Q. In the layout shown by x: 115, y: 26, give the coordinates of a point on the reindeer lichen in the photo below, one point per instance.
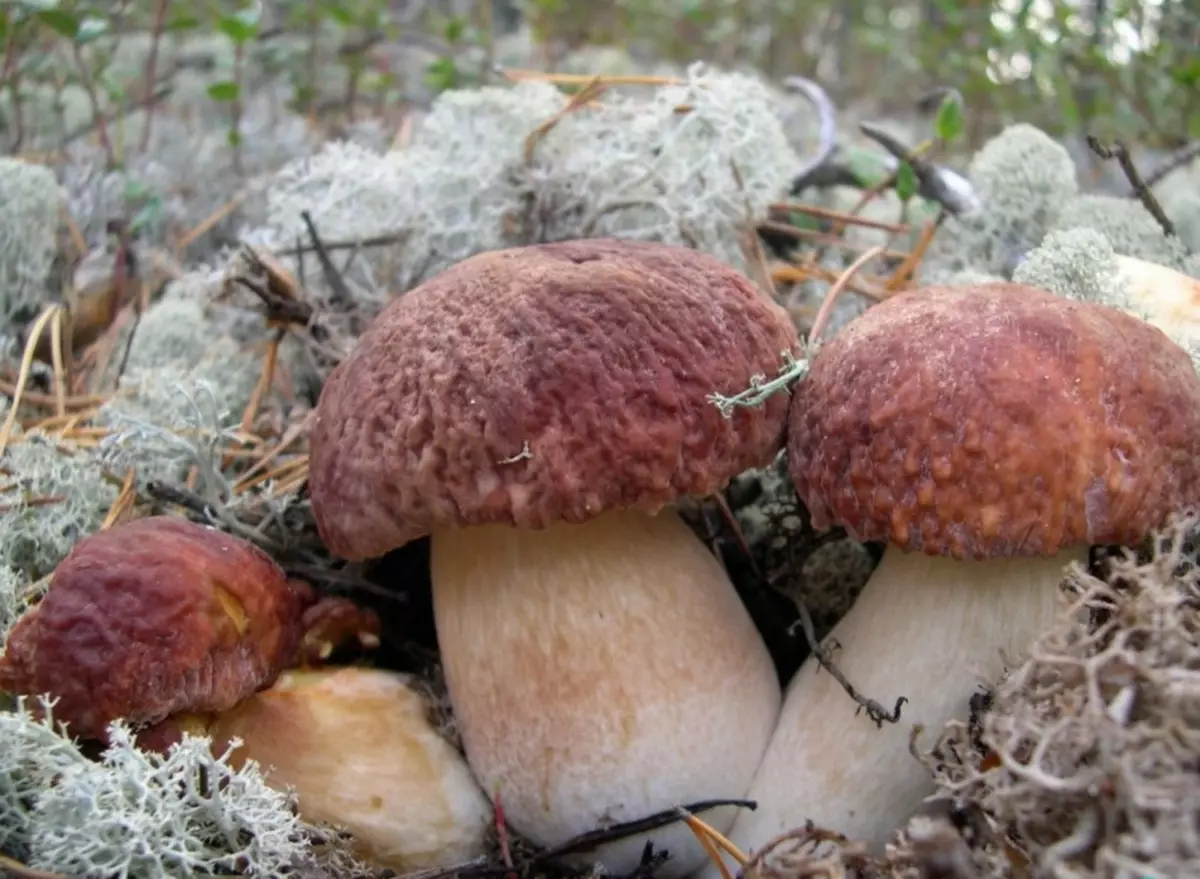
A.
x: 139, y: 814
x: 1023, y: 177
x: 33, y: 202
x: 1087, y: 758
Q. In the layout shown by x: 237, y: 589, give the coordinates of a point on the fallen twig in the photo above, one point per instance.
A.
x: 1141, y: 189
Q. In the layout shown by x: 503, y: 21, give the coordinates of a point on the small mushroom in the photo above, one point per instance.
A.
x: 1169, y: 299
x: 155, y: 616
x: 358, y: 748
x: 536, y: 410
x: 989, y: 435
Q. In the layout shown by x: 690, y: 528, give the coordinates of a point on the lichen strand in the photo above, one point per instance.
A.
x: 996, y: 420
x: 152, y: 617
x: 541, y: 384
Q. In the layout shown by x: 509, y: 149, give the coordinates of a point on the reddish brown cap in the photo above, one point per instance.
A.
x: 541, y: 384
x: 152, y: 617
x: 996, y: 420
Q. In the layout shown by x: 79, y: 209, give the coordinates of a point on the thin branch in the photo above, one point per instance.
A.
x: 1141, y: 189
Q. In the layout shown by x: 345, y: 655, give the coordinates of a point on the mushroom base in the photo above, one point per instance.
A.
x: 600, y: 673
x: 928, y: 628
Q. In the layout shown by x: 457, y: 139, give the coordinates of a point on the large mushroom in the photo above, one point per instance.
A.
x: 536, y: 411
x: 989, y: 435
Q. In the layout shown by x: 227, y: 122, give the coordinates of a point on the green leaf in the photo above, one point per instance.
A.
x: 234, y: 137
x: 183, y: 21
x: 442, y: 74
x: 339, y: 14
x: 241, y: 26
x: 867, y: 167
x: 63, y: 23
x: 906, y: 181
x: 455, y: 28
x: 226, y: 90
x: 148, y: 214
x: 949, y: 123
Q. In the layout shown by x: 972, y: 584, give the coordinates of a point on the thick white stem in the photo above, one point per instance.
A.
x: 925, y: 627
x: 600, y: 673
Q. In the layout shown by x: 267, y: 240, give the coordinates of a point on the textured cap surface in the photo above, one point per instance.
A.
x: 153, y: 617
x: 996, y: 420
x: 540, y: 384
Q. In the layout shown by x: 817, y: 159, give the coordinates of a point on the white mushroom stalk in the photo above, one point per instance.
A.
x: 925, y: 628
x: 600, y: 673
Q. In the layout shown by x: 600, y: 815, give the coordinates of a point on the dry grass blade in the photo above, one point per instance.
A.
x: 905, y: 270
x: 57, y: 360
x: 516, y: 74
x: 839, y: 216
x: 290, y: 437
x: 826, y: 310
x: 792, y: 274
x: 51, y: 312
x: 73, y: 231
x: 590, y: 92
x: 16, y: 870
x: 714, y: 842
x: 123, y: 503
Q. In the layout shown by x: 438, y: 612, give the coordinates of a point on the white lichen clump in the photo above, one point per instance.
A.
x: 1076, y: 264
x: 1128, y: 226
x: 14, y: 602
x: 692, y: 164
x: 33, y: 204
x: 60, y: 495
x: 1023, y: 177
x: 185, y: 386
x: 139, y: 814
x: 185, y: 176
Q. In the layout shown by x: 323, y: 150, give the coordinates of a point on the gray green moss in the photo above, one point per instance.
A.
x: 1128, y: 226
x: 1023, y: 177
x: 33, y: 204
x: 1077, y: 264
x: 60, y: 494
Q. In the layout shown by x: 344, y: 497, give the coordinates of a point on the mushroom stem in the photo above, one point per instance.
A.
x: 599, y: 673
x: 928, y: 628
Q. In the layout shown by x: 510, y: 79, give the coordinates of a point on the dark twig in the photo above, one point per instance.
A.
x: 593, y: 839
x: 1141, y: 189
x: 1173, y: 162
x: 342, y: 296
x: 878, y: 714
x: 938, y: 184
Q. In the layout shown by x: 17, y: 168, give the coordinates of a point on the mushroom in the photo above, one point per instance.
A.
x: 1169, y: 298
x: 989, y: 435
x: 357, y: 747
x: 536, y: 410
x: 155, y: 617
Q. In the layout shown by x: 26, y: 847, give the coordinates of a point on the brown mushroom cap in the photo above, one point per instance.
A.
x: 544, y: 383
x: 152, y: 617
x: 996, y: 420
